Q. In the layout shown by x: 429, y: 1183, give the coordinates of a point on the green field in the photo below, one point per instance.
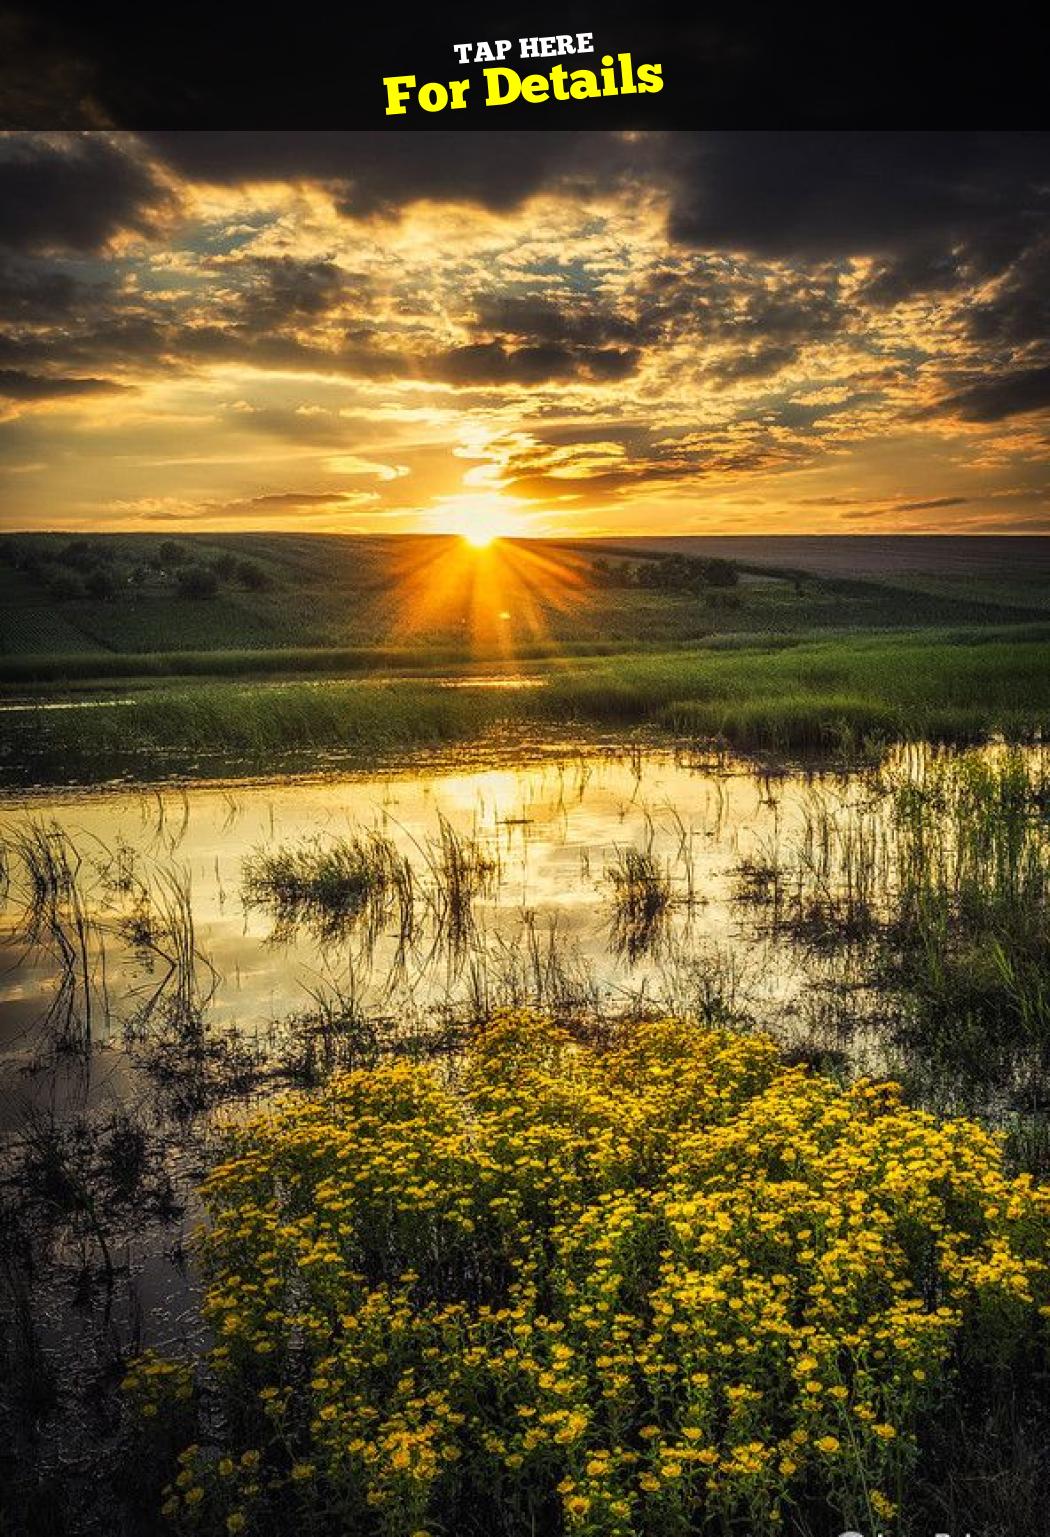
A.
x: 300, y: 643
x: 587, y: 1225
x: 846, y: 694
x: 339, y: 593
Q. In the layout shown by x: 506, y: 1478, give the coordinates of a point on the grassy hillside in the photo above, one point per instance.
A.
x: 330, y: 643
x: 139, y: 596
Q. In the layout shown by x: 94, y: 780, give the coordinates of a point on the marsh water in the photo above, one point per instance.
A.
x: 551, y: 832
x: 151, y: 989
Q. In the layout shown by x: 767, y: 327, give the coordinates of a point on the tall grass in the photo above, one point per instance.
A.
x: 364, y: 882
x: 55, y: 920
x: 848, y: 694
x: 461, y: 871
x: 641, y: 892
x: 818, y: 696
x: 972, y: 920
x: 944, y: 877
x: 332, y: 886
x: 109, y: 666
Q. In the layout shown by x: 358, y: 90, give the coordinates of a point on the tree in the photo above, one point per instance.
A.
x: 720, y: 573
x: 171, y: 554
x: 199, y: 582
x: 101, y: 585
x: 252, y: 576
x: 65, y: 586
x: 79, y: 553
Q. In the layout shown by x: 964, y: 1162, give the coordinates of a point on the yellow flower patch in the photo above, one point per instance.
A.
x: 621, y: 1291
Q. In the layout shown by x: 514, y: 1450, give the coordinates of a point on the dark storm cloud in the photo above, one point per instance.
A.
x: 74, y: 194
x: 928, y: 269
x: 759, y: 322
x: 138, y: 342
x: 923, y: 203
x: 40, y: 296
x: 532, y: 340
x: 483, y: 363
x: 538, y: 319
x: 774, y: 329
x: 839, y: 194
x: 16, y: 385
x: 379, y: 171
x: 278, y: 290
x: 1018, y: 312
x: 1015, y: 392
x: 758, y: 363
x: 933, y: 209
x: 113, y: 340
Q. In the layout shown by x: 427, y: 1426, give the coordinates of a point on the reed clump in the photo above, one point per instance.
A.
x: 940, y: 875
x: 332, y: 885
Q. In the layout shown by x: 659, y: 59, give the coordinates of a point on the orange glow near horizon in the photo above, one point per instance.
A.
x: 317, y: 336
x: 498, y: 592
x: 479, y: 538
x: 480, y: 517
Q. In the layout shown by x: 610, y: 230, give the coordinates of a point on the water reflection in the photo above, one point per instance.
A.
x: 162, y: 904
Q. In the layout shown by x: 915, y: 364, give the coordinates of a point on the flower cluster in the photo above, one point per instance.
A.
x: 627, y: 1290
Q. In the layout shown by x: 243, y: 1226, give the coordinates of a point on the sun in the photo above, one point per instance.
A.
x: 480, y: 520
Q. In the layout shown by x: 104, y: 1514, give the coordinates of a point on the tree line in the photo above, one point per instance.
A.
x: 104, y: 570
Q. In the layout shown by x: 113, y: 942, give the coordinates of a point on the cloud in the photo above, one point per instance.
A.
x: 1015, y: 392
x: 825, y: 195
x: 72, y: 194
x: 246, y: 509
x: 535, y: 318
x: 892, y: 509
x: 675, y: 317
x: 931, y: 503
x: 282, y: 290
x: 16, y: 385
x: 378, y: 172
x: 492, y: 363
x: 31, y: 294
x: 1017, y: 311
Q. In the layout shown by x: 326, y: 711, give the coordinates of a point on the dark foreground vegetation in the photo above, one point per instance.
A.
x: 615, y: 1269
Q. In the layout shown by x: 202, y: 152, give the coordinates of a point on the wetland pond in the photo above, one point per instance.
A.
x: 513, y: 872
x: 594, y: 879
x: 173, y: 954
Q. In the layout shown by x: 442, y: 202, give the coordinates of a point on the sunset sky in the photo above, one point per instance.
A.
x: 530, y: 333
